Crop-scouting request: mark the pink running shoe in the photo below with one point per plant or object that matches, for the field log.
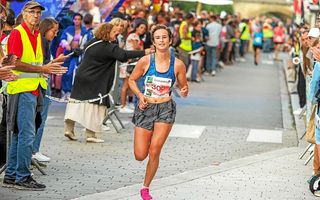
(144, 192)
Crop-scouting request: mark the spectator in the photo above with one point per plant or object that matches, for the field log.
(48, 30)
(95, 76)
(214, 31)
(133, 42)
(185, 37)
(196, 46)
(72, 41)
(26, 97)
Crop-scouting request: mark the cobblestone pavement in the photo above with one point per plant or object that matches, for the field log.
(240, 98)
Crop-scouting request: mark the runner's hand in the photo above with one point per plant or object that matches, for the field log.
(184, 91)
(142, 102)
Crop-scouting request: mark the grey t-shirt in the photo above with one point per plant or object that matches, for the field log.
(214, 30)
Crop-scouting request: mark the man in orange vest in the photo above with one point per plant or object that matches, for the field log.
(26, 96)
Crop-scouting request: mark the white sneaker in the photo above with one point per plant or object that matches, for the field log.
(66, 96)
(125, 109)
(242, 60)
(95, 140)
(40, 157)
(106, 128)
(213, 73)
(222, 64)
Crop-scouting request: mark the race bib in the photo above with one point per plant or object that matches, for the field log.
(156, 87)
(258, 40)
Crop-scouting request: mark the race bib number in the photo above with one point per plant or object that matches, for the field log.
(257, 40)
(157, 87)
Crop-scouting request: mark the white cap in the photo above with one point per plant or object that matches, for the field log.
(314, 32)
(223, 14)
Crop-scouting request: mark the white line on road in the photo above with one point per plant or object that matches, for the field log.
(267, 136)
(187, 131)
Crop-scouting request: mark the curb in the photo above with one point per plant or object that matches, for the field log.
(158, 184)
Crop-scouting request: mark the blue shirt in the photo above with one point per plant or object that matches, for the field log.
(257, 39)
(152, 72)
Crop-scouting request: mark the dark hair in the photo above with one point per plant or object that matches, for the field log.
(46, 25)
(118, 15)
(137, 22)
(213, 17)
(196, 23)
(11, 18)
(189, 16)
(88, 19)
(77, 14)
(159, 27)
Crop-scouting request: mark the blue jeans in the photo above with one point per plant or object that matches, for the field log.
(22, 142)
(194, 72)
(44, 115)
(267, 45)
(211, 58)
(243, 44)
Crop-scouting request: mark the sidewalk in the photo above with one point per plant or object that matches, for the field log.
(274, 175)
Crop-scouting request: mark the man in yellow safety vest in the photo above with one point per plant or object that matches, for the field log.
(26, 96)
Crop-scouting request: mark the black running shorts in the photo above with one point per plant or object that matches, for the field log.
(161, 112)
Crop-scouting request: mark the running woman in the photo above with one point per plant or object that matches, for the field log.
(155, 113)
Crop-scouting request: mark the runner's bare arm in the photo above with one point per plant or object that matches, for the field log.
(138, 71)
(180, 71)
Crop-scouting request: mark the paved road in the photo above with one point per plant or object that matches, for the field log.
(228, 106)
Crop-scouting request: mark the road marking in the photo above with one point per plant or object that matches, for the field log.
(51, 117)
(186, 131)
(268, 62)
(267, 136)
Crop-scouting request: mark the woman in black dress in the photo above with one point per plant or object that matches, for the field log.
(94, 78)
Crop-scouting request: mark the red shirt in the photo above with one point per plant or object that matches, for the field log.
(15, 43)
(3, 35)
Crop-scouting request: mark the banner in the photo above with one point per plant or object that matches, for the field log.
(53, 8)
(111, 7)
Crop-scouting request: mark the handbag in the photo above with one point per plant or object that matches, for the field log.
(311, 128)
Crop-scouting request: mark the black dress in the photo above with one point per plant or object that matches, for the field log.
(96, 72)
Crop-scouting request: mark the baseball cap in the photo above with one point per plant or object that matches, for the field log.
(223, 14)
(314, 32)
(31, 5)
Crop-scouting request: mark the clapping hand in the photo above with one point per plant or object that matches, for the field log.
(55, 68)
(6, 73)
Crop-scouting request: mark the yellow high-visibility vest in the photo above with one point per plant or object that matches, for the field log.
(267, 33)
(185, 44)
(246, 33)
(28, 81)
